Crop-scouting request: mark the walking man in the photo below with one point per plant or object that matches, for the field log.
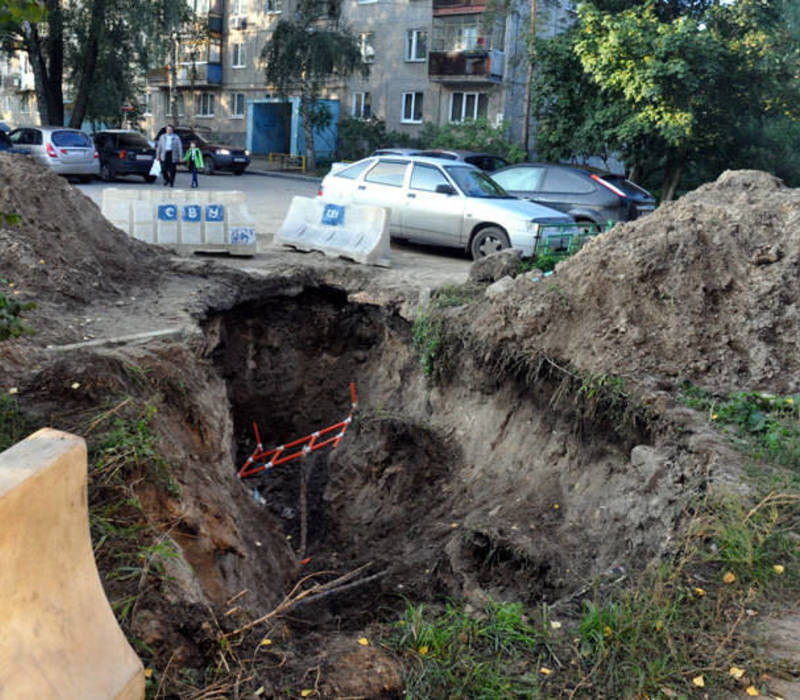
(169, 152)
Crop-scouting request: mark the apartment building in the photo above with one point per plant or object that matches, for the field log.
(440, 61)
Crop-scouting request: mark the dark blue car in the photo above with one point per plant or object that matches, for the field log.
(7, 147)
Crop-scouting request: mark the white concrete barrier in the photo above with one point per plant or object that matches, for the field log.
(360, 233)
(59, 635)
(189, 220)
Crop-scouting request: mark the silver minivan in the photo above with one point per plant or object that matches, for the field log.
(66, 151)
(448, 204)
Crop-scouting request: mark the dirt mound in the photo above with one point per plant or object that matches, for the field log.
(63, 249)
(702, 290)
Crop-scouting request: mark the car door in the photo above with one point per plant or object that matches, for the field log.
(32, 139)
(567, 191)
(382, 186)
(430, 216)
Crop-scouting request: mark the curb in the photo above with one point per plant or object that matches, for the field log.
(285, 176)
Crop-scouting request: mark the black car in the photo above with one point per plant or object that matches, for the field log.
(594, 198)
(215, 156)
(124, 152)
(7, 146)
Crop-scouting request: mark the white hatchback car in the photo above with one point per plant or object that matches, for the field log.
(66, 151)
(447, 204)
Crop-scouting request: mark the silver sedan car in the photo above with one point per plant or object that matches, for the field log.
(446, 204)
(66, 151)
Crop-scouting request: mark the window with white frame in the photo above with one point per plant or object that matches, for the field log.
(237, 105)
(362, 105)
(412, 108)
(468, 105)
(416, 45)
(147, 103)
(236, 7)
(178, 104)
(238, 56)
(7, 103)
(204, 106)
(367, 44)
(273, 6)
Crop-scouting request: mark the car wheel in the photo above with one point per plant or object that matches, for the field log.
(106, 173)
(208, 166)
(487, 241)
(149, 178)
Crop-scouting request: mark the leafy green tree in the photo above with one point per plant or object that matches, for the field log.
(302, 54)
(666, 86)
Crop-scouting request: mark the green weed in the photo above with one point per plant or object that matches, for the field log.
(12, 422)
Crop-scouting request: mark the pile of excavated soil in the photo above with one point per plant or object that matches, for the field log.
(702, 290)
(63, 246)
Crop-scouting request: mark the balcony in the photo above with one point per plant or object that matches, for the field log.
(466, 67)
(203, 75)
(215, 24)
(461, 7)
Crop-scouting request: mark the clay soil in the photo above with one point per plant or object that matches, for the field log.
(495, 478)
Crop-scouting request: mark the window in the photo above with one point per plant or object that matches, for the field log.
(238, 56)
(416, 45)
(388, 172)
(519, 179)
(353, 171)
(362, 105)
(25, 103)
(168, 106)
(463, 33)
(468, 105)
(70, 139)
(147, 103)
(237, 104)
(559, 180)
(214, 50)
(427, 178)
(236, 7)
(412, 108)
(367, 41)
(205, 105)
(272, 6)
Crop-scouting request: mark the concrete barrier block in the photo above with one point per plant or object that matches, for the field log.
(60, 638)
(142, 224)
(360, 233)
(191, 227)
(167, 216)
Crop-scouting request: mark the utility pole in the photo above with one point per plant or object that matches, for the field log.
(526, 112)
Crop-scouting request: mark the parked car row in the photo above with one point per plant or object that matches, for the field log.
(113, 152)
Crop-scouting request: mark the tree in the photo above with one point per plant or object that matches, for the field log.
(669, 85)
(302, 55)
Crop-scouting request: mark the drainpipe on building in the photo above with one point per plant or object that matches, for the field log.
(526, 108)
(173, 80)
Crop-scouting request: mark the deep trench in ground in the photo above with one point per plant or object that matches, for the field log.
(482, 486)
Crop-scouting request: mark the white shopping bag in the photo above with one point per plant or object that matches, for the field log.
(155, 168)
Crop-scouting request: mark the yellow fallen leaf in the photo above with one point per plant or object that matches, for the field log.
(423, 650)
(607, 631)
(75, 385)
(453, 525)
(11, 284)
(713, 416)
(790, 400)
(778, 569)
(305, 693)
(545, 671)
(556, 506)
(266, 642)
(148, 672)
(729, 577)
(659, 625)
(401, 623)
(555, 625)
(41, 262)
(363, 641)
(699, 591)
(699, 681)
(751, 690)
(736, 672)
(13, 390)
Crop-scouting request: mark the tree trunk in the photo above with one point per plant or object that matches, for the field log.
(55, 63)
(33, 46)
(308, 128)
(672, 177)
(89, 64)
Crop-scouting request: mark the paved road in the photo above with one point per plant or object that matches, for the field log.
(268, 199)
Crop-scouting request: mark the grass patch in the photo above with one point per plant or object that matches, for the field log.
(13, 426)
(678, 626)
(768, 426)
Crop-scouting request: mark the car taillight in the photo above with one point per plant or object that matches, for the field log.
(95, 154)
(122, 155)
(599, 180)
(319, 192)
(51, 151)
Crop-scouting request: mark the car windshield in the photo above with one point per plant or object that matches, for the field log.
(475, 183)
(71, 138)
(132, 141)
